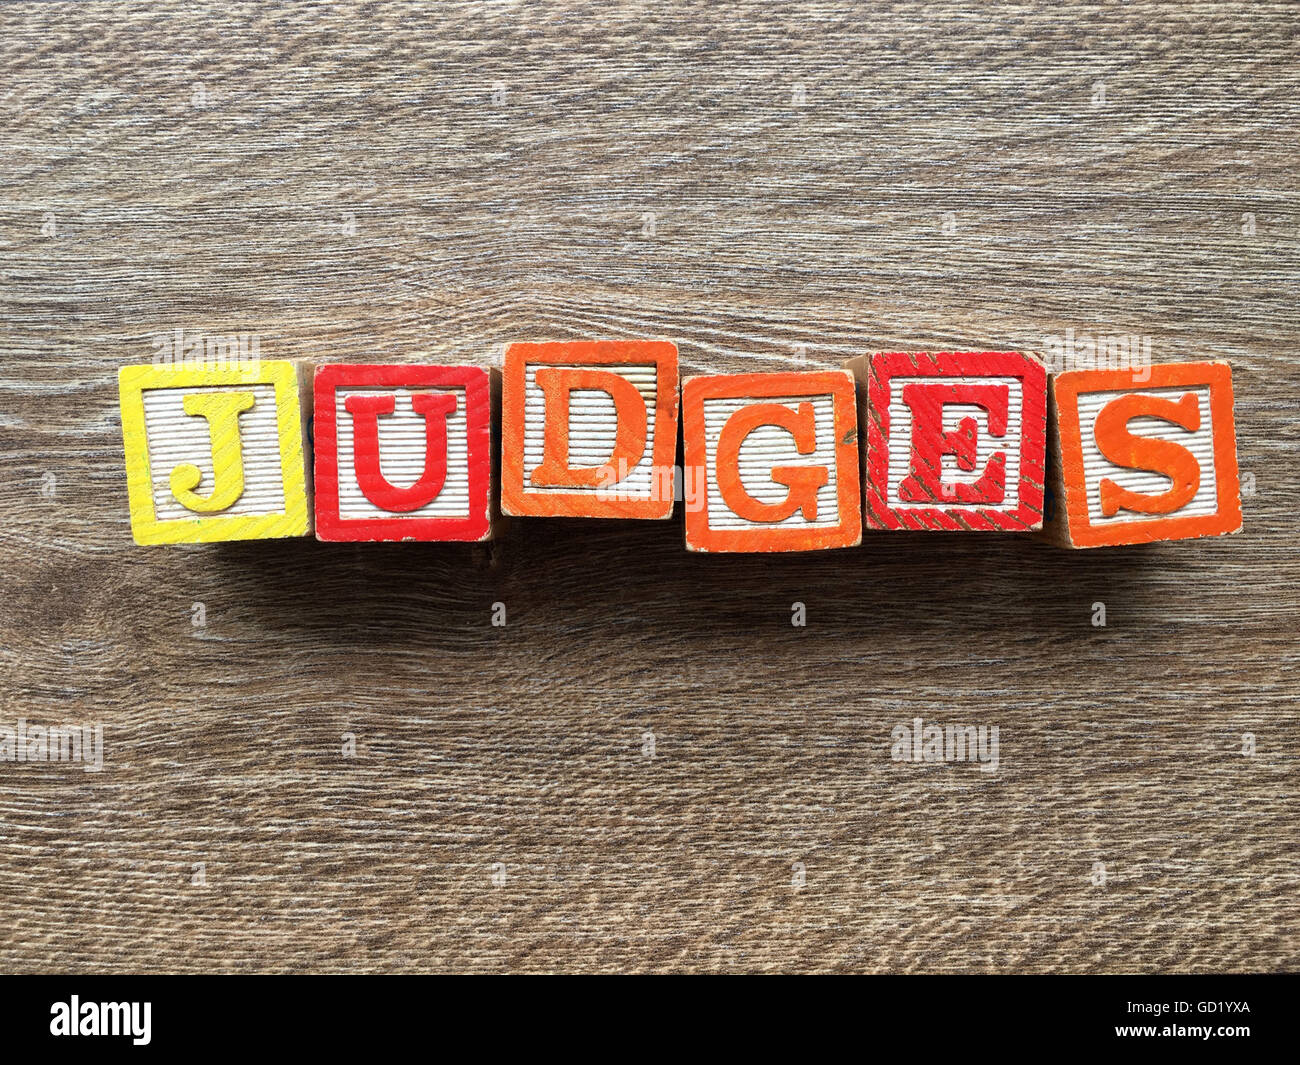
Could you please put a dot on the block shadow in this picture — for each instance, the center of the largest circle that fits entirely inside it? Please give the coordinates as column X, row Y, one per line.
column 581, row 575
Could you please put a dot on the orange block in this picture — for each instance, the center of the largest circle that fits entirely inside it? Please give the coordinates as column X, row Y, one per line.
column 771, row 462
column 589, row 429
column 1143, row 457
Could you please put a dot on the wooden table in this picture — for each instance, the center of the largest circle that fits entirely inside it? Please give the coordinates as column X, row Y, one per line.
column 648, row 767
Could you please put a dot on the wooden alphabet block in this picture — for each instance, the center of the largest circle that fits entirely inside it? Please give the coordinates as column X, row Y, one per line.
column 955, row 440
column 1143, row 455
column 589, row 429
column 214, row 452
column 777, row 457
column 403, row 453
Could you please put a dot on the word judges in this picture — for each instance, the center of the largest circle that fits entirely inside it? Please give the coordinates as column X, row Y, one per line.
column 796, row 461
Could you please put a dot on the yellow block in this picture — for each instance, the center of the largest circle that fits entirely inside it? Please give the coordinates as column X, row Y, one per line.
column 214, row 452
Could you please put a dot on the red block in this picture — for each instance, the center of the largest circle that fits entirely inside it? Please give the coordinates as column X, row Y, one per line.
column 955, row 440
column 403, row 453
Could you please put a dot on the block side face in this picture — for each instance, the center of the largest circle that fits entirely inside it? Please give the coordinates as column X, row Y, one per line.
column 495, row 519
column 1072, row 506
column 955, row 441
column 390, row 472
column 859, row 368
column 694, row 457
column 589, row 429
column 1148, row 456
column 741, row 432
column 1056, row 527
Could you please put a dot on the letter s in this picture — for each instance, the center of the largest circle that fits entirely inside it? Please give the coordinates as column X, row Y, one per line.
column 1165, row 457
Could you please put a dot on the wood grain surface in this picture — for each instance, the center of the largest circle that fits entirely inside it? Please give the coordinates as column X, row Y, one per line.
column 648, row 767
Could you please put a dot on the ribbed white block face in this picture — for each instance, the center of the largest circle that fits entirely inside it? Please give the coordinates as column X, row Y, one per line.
column 177, row 438
column 593, row 429
column 766, row 447
column 986, row 445
column 402, row 447
column 1147, row 482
